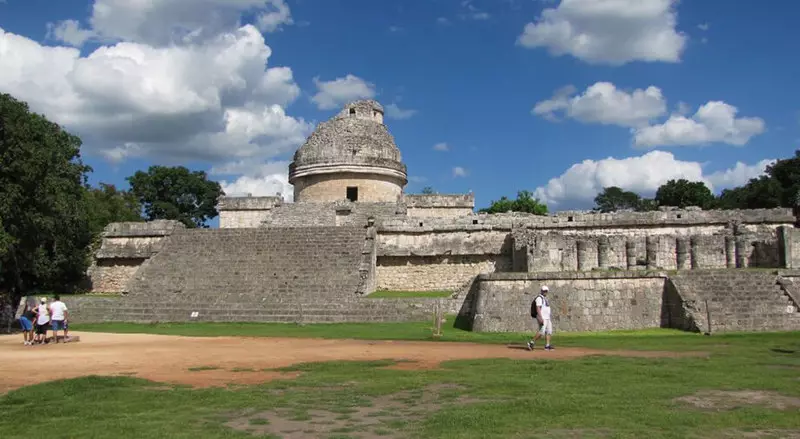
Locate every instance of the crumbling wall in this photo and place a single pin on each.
(124, 248)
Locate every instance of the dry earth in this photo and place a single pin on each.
(168, 359)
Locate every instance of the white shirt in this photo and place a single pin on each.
(545, 304)
(43, 317)
(57, 310)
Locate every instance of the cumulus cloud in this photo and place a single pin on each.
(70, 32)
(335, 93)
(210, 102)
(639, 110)
(471, 12)
(265, 179)
(441, 146)
(395, 112)
(603, 103)
(578, 185)
(611, 32)
(166, 22)
(714, 121)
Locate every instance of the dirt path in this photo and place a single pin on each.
(166, 358)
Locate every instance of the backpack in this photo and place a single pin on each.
(534, 313)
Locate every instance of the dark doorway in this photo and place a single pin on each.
(352, 193)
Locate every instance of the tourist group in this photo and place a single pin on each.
(36, 320)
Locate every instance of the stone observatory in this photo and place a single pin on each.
(351, 156)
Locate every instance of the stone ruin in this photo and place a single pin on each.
(352, 231)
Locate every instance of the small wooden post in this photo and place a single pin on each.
(437, 319)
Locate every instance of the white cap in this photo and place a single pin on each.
(544, 288)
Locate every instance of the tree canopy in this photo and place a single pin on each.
(614, 198)
(107, 204)
(45, 227)
(683, 193)
(176, 193)
(525, 202)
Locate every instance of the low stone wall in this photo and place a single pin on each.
(244, 212)
(89, 309)
(427, 273)
(439, 205)
(592, 301)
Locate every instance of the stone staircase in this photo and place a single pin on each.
(303, 275)
(218, 267)
(737, 300)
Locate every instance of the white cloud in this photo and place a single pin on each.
(739, 174)
(211, 102)
(458, 171)
(443, 21)
(603, 103)
(441, 146)
(395, 112)
(714, 121)
(611, 32)
(166, 22)
(335, 93)
(265, 179)
(578, 185)
(703, 26)
(70, 32)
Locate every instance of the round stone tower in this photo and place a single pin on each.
(351, 156)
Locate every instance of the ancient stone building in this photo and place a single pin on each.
(351, 230)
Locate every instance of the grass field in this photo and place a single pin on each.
(748, 384)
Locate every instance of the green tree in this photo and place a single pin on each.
(613, 198)
(683, 193)
(786, 173)
(45, 229)
(107, 205)
(525, 202)
(427, 190)
(175, 193)
(759, 193)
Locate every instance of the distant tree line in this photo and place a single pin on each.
(50, 216)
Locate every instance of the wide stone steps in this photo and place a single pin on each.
(204, 265)
(738, 300)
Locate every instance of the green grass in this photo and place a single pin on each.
(588, 397)
(650, 339)
(388, 294)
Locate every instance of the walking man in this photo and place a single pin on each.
(540, 310)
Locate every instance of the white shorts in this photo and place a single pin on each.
(546, 327)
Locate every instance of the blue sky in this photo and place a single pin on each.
(557, 97)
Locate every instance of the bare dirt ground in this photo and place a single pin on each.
(219, 361)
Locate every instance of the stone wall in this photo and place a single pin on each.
(333, 187)
(123, 249)
(579, 301)
(94, 309)
(412, 258)
(242, 212)
(439, 205)
(340, 213)
(435, 273)
(555, 251)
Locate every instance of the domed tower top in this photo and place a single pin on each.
(354, 150)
